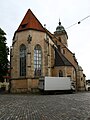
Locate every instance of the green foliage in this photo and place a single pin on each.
(4, 50)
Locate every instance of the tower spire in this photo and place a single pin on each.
(59, 22)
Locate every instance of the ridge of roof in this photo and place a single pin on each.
(53, 36)
(30, 22)
(64, 60)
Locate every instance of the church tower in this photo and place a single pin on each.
(61, 34)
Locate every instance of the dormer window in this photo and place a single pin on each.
(24, 25)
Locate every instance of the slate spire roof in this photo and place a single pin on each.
(30, 22)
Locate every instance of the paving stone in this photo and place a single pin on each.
(45, 107)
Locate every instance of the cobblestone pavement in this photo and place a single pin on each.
(45, 107)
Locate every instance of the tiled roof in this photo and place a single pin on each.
(30, 22)
(60, 59)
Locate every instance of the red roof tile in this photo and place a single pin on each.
(30, 22)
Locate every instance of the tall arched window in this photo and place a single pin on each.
(37, 60)
(22, 60)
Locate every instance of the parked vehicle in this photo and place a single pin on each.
(88, 85)
(56, 84)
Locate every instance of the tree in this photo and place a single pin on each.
(4, 51)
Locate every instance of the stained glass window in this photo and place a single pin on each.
(22, 60)
(37, 60)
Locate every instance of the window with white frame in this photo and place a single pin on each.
(37, 60)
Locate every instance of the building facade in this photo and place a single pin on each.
(36, 52)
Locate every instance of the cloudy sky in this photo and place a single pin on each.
(49, 12)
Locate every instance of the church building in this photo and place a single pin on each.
(37, 52)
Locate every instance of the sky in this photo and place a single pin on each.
(49, 12)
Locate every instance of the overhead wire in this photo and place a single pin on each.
(78, 22)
